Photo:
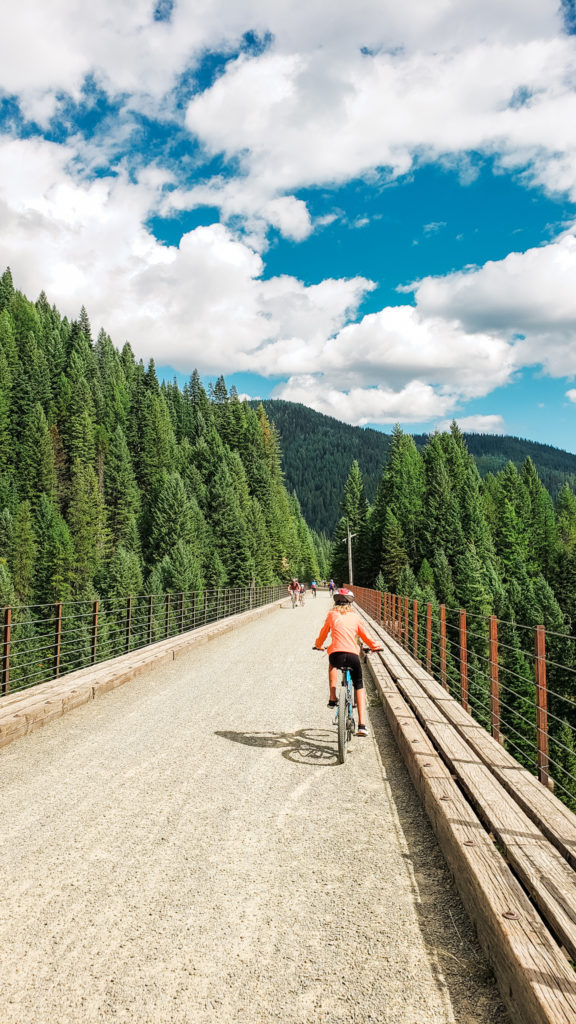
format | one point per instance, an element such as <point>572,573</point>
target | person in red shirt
<point>346,626</point>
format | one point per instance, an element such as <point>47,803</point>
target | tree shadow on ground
<point>305,746</point>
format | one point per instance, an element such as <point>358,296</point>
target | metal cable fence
<point>39,643</point>
<point>517,681</point>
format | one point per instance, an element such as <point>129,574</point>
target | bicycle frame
<point>344,715</point>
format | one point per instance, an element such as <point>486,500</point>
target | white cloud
<point>203,303</point>
<point>119,42</point>
<point>300,119</point>
<point>571,395</point>
<point>490,424</point>
<point>417,402</point>
<point>530,293</point>
<point>440,79</point>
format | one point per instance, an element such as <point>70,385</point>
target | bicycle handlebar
<point>362,650</point>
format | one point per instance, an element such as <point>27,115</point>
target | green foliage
<point>111,481</point>
<point>319,450</point>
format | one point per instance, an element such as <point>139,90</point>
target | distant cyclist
<point>345,625</point>
<point>294,591</point>
<point>331,587</point>
<point>313,588</point>
<point>302,596</point>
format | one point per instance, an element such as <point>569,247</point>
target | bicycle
<point>344,715</point>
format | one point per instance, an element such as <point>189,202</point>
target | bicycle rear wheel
<point>342,730</point>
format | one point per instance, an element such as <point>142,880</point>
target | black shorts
<point>343,659</point>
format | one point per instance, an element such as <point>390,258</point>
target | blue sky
<point>370,210</point>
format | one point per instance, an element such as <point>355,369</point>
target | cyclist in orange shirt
<point>345,625</point>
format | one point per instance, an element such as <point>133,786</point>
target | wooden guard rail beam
<point>537,982</point>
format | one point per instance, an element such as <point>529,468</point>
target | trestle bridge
<point>186,848</point>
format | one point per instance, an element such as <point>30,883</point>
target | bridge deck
<point>167,865</point>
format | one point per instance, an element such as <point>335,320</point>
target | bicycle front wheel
<point>342,730</point>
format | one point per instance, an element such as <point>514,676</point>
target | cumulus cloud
<point>122,44</point>
<point>571,395</point>
<point>203,303</point>
<point>361,89</point>
<point>294,121</point>
<point>417,402</point>
<point>490,424</point>
<point>528,294</point>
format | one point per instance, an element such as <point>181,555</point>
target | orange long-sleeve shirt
<point>345,631</point>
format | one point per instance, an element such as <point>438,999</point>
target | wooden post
<point>463,661</point>
<point>57,638</point>
<point>541,705</point>
<point>386,610</point>
<point>128,623</point>
<point>5,674</point>
<point>415,629</point>
<point>167,614</point>
<point>94,637</point>
<point>428,637</point>
<point>494,682</point>
<point>443,646</point>
<point>150,610</point>
<point>380,607</point>
<point>406,623</point>
<point>393,600</point>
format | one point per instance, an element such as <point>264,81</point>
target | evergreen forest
<point>438,533</point>
<point>113,484</point>
<point>318,451</point>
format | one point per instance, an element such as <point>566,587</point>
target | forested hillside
<point>436,532</point>
<point>318,450</point>
<point>113,484</point>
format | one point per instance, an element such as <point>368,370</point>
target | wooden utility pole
<point>348,540</point>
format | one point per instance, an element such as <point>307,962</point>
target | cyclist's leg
<point>332,681</point>
<point>361,705</point>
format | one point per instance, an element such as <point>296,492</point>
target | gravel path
<point>161,867</point>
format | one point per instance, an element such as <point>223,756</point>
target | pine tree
<point>54,574</point>
<point>394,555</point>
<point>87,522</point>
<point>121,492</point>
<point>37,469</point>
<point>23,552</point>
<point>230,532</point>
<point>171,517</point>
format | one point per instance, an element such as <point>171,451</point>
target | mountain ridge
<point>310,440</point>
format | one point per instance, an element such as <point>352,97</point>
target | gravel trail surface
<point>186,850</point>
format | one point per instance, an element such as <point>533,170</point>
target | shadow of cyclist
<point>306,746</point>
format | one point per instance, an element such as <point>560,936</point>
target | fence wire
<point>39,643</point>
<point>517,681</point>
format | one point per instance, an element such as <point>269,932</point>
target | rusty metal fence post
<point>94,633</point>
<point>429,637</point>
<point>406,623</point>
<point>541,704</point>
<point>464,662</point>
<point>494,681</point>
<point>128,624</point>
<point>57,638</point>
<point>415,629</point>
<point>6,643</point>
<point>167,614</point>
<point>443,646</point>
<point>150,619</point>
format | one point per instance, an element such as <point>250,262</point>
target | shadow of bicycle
<point>306,746</point>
